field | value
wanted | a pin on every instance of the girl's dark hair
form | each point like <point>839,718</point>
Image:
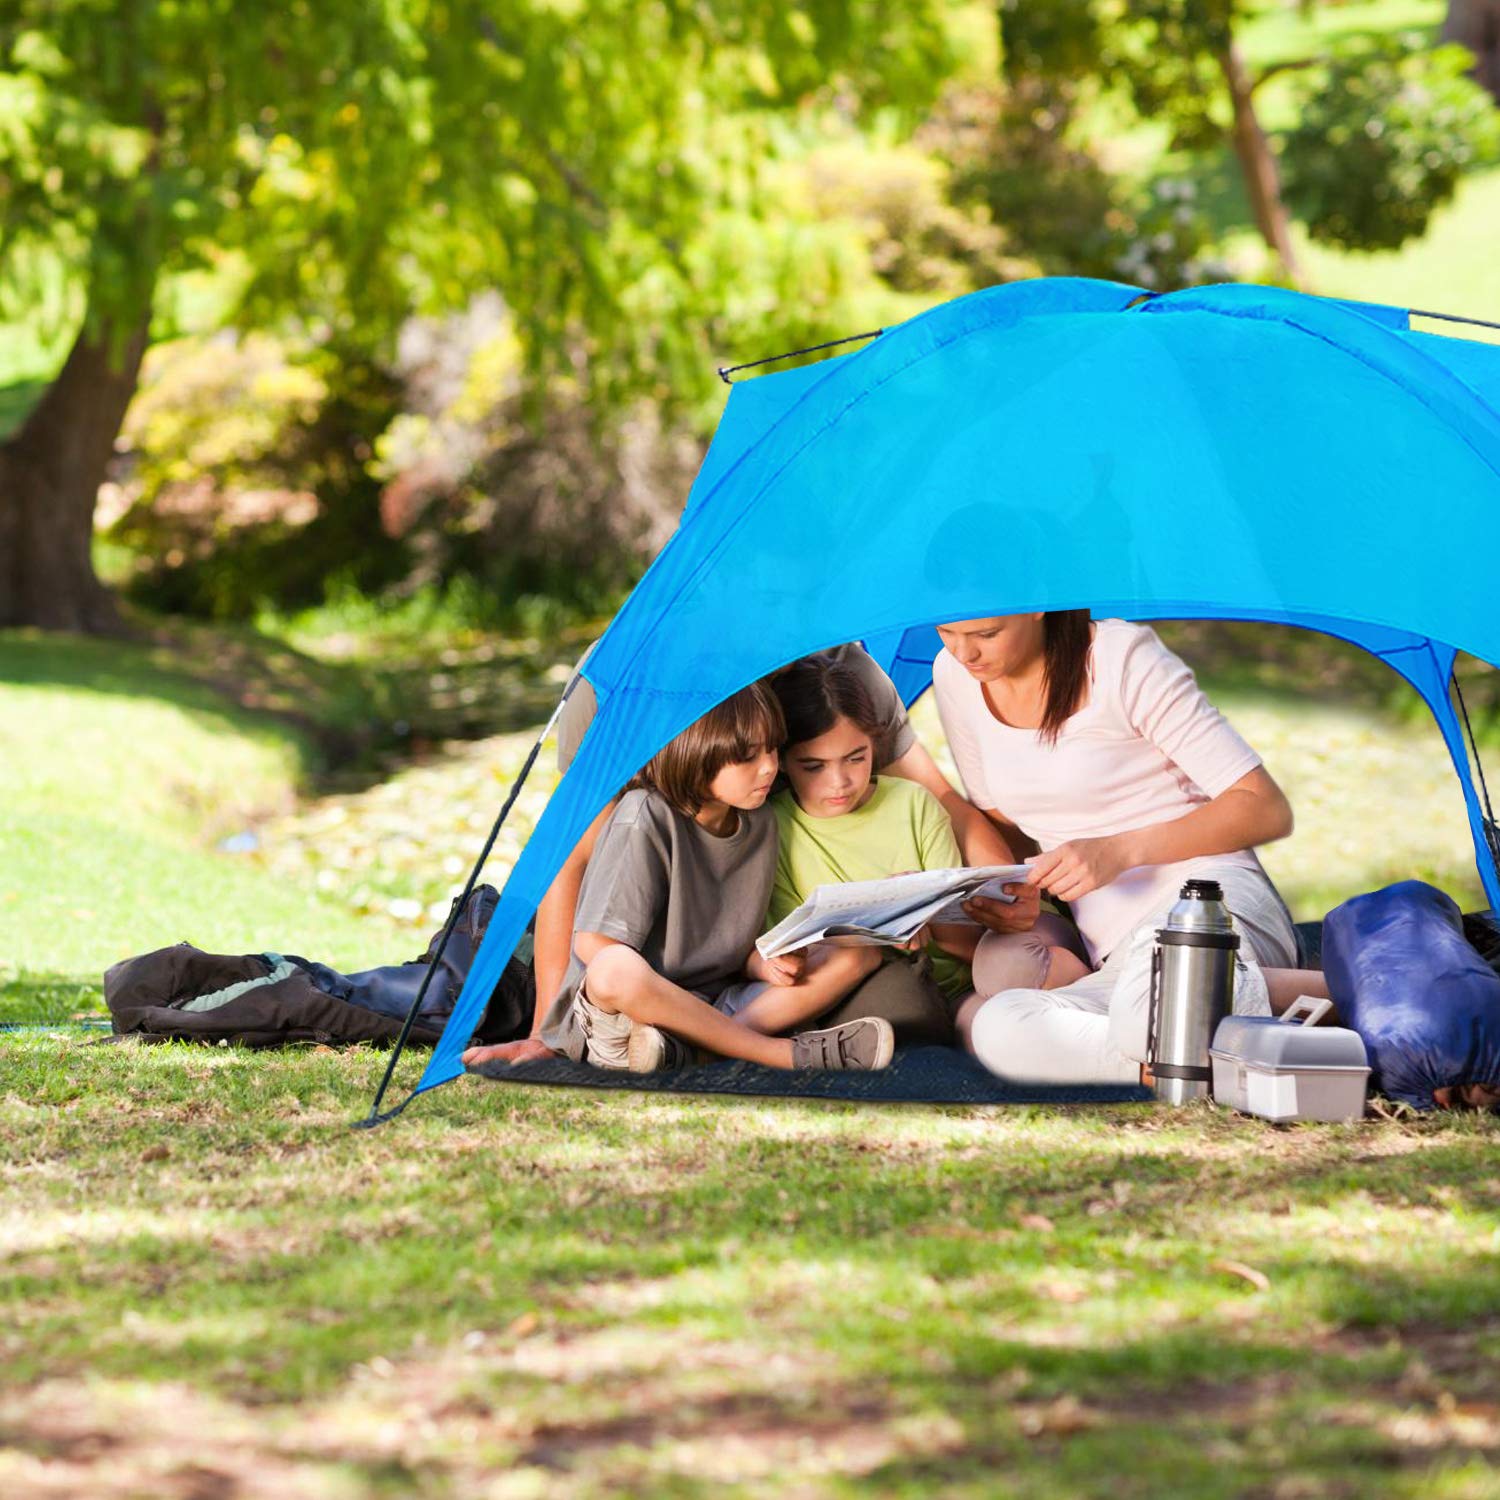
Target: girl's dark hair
<point>816,692</point>
<point>1067,640</point>
<point>738,729</point>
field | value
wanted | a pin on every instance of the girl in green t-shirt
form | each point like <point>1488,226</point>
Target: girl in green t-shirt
<point>839,822</point>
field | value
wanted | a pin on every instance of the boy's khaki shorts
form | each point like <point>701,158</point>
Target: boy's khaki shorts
<point>606,1034</point>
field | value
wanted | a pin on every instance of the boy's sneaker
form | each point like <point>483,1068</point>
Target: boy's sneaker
<point>863,1045</point>
<point>652,1050</point>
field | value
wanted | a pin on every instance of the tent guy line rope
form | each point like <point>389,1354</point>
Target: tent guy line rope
<point>1417,312</point>
<point>725,371</point>
<point>375,1117</point>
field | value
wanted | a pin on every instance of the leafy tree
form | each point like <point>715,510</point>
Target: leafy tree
<point>359,162</point>
<point>1181,61</point>
<point>1407,123</point>
<point>1014,151</point>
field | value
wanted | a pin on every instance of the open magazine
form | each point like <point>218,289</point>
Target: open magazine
<point>886,911</point>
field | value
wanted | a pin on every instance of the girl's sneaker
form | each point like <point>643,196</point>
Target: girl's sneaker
<point>864,1045</point>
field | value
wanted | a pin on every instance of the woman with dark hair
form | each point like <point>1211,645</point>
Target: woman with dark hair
<point>1091,748</point>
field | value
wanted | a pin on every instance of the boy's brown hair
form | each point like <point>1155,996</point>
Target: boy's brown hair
<point>738,729</point>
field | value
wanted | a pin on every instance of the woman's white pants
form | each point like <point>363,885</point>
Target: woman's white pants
<point>1094,1030</point>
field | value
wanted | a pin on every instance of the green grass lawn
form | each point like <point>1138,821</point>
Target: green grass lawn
<point>212,1287</point>
<point>119,777</point>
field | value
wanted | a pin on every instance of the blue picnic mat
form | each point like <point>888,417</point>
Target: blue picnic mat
<point>917,1075</point>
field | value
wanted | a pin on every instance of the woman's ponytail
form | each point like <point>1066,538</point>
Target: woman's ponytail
<point>1067,638</point>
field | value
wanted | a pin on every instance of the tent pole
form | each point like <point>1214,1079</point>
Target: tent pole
<point>1490,832</point>
<point>375,1117</point>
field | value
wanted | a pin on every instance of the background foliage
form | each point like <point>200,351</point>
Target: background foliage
<point>439,290</point>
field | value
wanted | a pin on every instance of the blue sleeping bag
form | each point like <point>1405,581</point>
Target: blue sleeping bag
<point>1405,977</point>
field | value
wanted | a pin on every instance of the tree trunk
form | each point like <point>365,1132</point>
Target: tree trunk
<point>1476,24</point>
<point>1258,165</point>
<point>50,473</point>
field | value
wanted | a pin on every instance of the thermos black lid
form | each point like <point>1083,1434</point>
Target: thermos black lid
<point>1202,890</point>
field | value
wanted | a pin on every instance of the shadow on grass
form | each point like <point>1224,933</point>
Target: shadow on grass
<point>891,1394</point>
<point>1286,663</point>
<point>655,1296</point>
<point>140,669</point>
<point>998,1239</point>
<point>30,999</point>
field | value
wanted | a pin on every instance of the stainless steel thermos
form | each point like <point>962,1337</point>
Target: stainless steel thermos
<point>1192,990</point>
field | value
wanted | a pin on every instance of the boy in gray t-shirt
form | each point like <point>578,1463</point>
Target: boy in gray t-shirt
<point>672,902</point>
<point>690,902</point>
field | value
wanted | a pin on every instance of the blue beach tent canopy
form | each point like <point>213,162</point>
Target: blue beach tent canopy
<point>1228,452</point>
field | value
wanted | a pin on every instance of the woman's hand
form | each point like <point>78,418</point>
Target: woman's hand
<point>533,1049</point>
<point>784,969</point>
<point>1007,916</point>
<point>1074,869</point>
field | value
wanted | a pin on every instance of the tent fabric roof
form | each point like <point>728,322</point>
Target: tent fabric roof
<point>1231,452</point>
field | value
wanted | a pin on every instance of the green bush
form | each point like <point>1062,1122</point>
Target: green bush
<point>1382,141</point>
<point>246,478</point>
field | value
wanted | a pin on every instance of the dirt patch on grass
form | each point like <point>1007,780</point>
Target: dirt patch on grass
<point>608,1406</point>
<point>1435,1409</point>
<point>67,1439</point>
<point>537,1409</point>
<point>1439,1363</point>
<point>734,1438</point>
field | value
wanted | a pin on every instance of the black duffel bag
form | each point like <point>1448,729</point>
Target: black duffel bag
<point>267,1000</point>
